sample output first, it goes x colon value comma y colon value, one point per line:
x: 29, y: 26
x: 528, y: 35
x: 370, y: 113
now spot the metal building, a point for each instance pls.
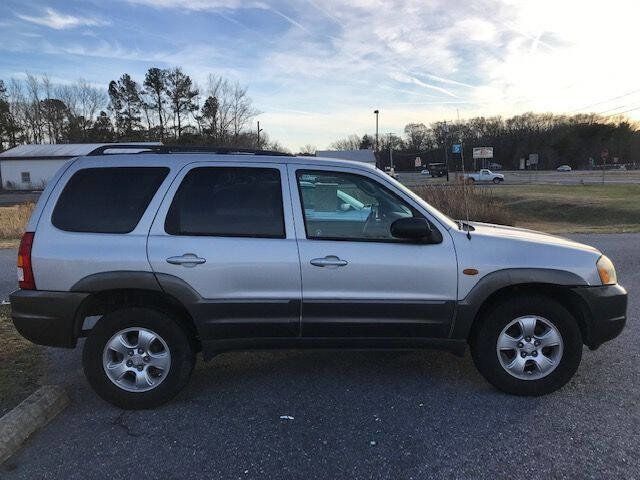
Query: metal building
x: 29, y: 167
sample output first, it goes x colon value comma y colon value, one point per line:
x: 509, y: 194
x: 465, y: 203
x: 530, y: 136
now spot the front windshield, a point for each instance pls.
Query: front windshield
x: 441, y: 217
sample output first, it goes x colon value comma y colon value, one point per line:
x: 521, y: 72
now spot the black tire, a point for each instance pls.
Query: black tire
x: 484, y: 343
x: 497, y: 181
x: 177, y: 339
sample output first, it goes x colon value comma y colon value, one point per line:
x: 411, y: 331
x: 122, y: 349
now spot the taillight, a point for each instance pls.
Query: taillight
x: 25, y: 270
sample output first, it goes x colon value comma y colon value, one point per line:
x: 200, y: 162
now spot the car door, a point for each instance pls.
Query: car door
x: 357, y: 280
x: 224, y: 233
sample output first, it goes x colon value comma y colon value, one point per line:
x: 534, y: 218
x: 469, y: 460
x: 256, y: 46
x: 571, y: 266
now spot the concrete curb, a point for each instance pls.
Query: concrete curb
x: 33, y: 413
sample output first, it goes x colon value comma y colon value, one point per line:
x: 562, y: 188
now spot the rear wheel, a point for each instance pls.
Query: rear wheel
x: 138, y: 358
x: 530, y: 345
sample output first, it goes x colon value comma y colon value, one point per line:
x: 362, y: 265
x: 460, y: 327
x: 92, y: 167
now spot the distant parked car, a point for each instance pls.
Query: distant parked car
x: 425, y: 172
x: 564, y: 168
x: 437, y: 169
x: 484, y: 175
x: 495, y: 166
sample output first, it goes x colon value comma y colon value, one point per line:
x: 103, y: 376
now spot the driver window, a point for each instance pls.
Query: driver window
x: 345, y: 206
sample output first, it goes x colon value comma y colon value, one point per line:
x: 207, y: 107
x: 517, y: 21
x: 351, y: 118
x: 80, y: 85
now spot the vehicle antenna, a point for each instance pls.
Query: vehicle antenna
x: 464, y: 180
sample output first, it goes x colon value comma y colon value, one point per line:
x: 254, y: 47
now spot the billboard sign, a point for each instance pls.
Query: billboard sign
x: 483, y: 152
x: 532, y: 160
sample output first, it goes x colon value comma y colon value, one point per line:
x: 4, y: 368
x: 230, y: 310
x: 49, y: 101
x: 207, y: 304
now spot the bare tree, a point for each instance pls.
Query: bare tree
x: 352, y: 142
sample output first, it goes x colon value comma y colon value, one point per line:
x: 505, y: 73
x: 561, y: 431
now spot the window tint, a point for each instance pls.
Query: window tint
x: 341, y: 205
x: 107, y: 200
x: 228, y: 201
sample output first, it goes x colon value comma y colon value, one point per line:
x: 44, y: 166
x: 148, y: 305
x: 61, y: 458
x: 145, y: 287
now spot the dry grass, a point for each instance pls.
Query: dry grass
x: 482, y: 203
x: 20, y: 364
x: 13, y: 220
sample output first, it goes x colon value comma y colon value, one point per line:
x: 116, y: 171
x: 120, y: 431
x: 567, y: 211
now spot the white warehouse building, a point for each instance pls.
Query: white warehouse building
x: 30, y: 167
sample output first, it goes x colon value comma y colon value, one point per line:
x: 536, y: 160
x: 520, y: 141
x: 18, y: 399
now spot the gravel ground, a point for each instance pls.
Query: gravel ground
x: 358, y: 415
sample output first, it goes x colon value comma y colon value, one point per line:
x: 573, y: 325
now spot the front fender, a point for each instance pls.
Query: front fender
x: 467, y: 309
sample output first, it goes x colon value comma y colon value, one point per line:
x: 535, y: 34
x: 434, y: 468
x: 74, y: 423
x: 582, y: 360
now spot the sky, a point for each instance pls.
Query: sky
x: 317, y: 69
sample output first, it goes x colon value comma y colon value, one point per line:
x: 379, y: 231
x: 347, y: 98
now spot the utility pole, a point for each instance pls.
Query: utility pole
x: 259, y: 130
x: 377, y: 112
x: 445, y: 129
x: 391, y: 153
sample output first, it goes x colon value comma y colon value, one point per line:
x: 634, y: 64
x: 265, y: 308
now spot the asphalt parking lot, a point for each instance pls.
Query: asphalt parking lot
x: 403, y: 415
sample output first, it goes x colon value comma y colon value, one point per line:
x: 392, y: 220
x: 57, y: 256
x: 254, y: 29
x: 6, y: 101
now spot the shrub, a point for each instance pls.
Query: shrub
x: 481, y: 202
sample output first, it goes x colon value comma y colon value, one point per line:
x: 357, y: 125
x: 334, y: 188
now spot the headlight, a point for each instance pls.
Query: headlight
x: 607, y: 271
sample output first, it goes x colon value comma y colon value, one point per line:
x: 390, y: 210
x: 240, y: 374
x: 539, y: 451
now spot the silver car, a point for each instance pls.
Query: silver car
x: 159, y: 256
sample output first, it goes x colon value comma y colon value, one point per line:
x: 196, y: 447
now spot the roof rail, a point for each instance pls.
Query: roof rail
x: 142, y: 148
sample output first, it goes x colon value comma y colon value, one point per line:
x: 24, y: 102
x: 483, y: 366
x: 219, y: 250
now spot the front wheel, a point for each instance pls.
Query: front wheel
x: 138, y: 358
x: 497, y: 181
x: 530, y: 345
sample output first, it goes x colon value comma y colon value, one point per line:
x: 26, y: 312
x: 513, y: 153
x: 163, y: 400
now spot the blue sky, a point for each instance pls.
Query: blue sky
x: 317, y: 69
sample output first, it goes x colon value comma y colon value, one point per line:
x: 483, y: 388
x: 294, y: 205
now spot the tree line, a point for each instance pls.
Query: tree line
x: 581, y: 141
x: 166, y: 105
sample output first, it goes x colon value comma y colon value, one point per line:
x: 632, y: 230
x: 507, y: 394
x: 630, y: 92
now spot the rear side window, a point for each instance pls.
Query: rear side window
x: 106, y: 200
x: 229, y: 202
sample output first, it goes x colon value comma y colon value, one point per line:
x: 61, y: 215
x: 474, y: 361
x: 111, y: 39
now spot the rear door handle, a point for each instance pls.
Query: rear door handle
x: 186, y: 260
x: 329, y: 261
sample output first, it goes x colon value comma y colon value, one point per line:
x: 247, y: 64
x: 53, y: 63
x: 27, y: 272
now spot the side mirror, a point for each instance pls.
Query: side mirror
x: 411, y: 228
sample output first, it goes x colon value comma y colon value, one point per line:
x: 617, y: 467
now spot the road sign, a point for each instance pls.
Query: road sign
x: 456, y: 148
x: 532, y: 160
x: 483, y: 152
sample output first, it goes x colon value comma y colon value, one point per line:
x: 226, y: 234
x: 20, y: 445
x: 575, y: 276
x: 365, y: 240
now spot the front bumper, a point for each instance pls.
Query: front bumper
x: 606, y: 312
x: 47, y: 318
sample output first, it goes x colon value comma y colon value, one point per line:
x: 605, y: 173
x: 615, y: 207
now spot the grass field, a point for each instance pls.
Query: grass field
x: 610, y: 208
x: 20, y: 364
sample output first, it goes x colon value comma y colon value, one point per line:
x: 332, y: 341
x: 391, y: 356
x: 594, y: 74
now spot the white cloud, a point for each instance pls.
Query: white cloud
x: 61, y: 21
x: 200, y: 5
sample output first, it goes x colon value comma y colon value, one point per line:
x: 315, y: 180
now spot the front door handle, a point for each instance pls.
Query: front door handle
x: 186, y: 260
x: 329, y: 261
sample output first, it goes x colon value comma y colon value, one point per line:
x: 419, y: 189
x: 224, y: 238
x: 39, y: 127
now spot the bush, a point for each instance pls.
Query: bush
x: 481, y: 202
x: 13, y: 220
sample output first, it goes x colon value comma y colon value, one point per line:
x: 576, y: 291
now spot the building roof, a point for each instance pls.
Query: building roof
x: 367, y: 156
x: 59, y: 150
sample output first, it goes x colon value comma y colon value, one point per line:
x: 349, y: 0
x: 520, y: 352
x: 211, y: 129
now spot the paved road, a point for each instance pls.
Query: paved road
x: 358, y: 415
x: 8, y: 279
x: 543, y: 177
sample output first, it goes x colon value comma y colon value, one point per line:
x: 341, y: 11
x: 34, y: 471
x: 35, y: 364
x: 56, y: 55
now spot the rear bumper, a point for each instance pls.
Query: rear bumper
x: 606, y: 313
x: 47, y: 318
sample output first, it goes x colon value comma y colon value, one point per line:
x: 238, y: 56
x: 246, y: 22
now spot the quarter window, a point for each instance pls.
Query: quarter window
x: 345, y: 206
x: 228, y: 201
x: 106, y: 200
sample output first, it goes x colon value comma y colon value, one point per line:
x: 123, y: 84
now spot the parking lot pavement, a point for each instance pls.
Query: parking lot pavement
x: 334, y: 415
x: 8, y: 279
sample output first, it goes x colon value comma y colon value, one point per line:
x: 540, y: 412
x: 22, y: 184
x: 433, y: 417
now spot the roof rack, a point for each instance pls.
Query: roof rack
x: 142, y: 148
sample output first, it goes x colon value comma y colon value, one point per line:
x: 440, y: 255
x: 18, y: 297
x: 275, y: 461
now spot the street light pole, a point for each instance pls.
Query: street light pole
x: 259, y: 130
x: 377, y: 112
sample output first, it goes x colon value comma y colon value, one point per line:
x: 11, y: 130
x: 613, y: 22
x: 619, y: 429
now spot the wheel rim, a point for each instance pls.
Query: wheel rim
x: 136, y: 359
x: 530, y: 347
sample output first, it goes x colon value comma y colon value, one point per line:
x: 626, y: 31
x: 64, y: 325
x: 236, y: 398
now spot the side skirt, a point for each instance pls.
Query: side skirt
x: 211, y: 348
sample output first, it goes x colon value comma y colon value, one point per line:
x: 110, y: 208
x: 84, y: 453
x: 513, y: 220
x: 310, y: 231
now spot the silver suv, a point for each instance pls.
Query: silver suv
x: 157, y: 256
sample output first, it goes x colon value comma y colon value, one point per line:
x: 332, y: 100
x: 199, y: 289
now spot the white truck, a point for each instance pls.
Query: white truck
x: 485, y: 175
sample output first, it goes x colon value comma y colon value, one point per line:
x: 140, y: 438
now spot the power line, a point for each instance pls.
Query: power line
x: 620, y: 113
x: 606, y: 101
